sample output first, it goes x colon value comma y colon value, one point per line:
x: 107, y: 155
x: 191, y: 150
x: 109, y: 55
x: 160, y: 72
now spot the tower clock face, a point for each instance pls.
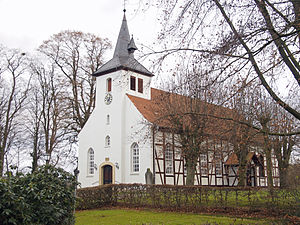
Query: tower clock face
x: 108, y: 98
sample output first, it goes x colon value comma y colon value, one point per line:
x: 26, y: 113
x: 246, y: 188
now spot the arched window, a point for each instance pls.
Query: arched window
x: 135, y: 158
x: 91, y: 162
x: 108, y: 84
x: 169, y: 159
x: 107, y: 119
x: 107, y: 141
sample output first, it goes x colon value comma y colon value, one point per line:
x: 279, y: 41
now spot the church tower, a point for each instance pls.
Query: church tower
x: 123, y: 71
x: 103, y: 142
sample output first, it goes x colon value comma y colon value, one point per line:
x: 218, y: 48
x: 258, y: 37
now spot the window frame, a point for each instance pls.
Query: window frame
x: 108, y: 84
x: 132, y: 83
x: 169, y: 159
x: 107, y: 141
x: 140, y: 85
x: 135, y: 158
x: 107, y: 119
x: 91, y: 162
x: 218, y: 164
x: 203, y: 165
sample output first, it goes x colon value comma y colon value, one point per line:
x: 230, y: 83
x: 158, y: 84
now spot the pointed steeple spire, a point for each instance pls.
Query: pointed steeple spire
x: 123, y: 58
x: 121, y: 49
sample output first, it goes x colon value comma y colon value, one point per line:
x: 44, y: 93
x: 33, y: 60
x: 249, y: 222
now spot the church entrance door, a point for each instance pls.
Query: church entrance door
x: 107, y: 174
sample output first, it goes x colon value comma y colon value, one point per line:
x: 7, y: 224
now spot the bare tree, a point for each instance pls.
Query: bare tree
x: 256, y: 38
x: 14, y: 90
x: 47, y: 112
x: 273, y: 131
x: 180, y: 112
x: 281, y: 146
x: 188, y: 112
x: 76, y: 56
x: 242, y: 136
x: 33, y: 127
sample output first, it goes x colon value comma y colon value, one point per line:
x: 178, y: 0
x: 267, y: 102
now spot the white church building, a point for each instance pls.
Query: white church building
x: 123, y: 138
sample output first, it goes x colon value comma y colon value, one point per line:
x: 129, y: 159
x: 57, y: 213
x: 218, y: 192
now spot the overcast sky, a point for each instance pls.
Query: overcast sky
x: 25, y: 24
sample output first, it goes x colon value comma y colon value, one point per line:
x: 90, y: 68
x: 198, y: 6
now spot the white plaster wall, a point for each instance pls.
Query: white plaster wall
x: 137, y: 130
x: 96, y: 129
x: 122, y: 115
x: 87, y: 139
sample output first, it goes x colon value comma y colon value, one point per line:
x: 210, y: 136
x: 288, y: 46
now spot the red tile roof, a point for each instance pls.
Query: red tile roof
x: 164, y: 105
x: 233, y: 159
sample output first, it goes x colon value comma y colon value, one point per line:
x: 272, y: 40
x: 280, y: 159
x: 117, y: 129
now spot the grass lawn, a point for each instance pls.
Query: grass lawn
x: 129, y: 216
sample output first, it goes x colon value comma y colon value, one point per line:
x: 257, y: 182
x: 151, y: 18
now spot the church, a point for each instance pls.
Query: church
x: 125, y: 136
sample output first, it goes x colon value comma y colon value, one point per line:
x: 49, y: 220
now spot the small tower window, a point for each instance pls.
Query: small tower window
x: 107, y: 141
x: 132, y: 83
x: 107, y: 119
x: 140, y: 85
x: 91, y: 161
x: 108, y: 84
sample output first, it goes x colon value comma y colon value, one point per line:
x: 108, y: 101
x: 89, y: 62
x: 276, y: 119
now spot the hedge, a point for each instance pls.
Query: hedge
x: 191, y: 198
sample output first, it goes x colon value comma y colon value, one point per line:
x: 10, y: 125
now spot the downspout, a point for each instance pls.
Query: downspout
x: 153, y: 153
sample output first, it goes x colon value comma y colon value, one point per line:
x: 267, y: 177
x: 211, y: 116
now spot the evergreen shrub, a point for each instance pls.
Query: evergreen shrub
x: 43, y: 197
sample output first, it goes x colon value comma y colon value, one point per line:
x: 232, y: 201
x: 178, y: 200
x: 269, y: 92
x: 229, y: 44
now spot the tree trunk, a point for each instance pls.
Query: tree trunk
x: 296, y: 6
x: 190, y: 168
x: 242, y: 167
x: 283, y: 174
x: 269, y: 167
x: 34, y: 160
x: 34, y: 153
x: 1, y: 162
x: 283, y: 149
x: 264, y: 120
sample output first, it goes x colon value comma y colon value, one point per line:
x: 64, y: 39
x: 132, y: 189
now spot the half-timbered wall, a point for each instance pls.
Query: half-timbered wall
x: 169, y: 164
x: 210, y: 166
